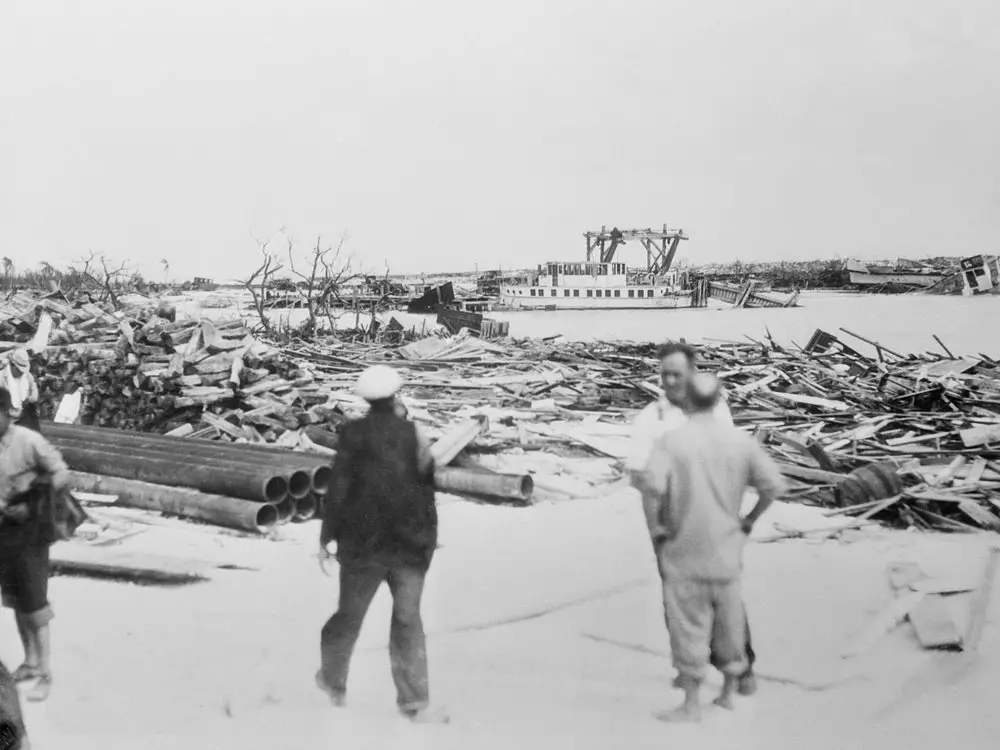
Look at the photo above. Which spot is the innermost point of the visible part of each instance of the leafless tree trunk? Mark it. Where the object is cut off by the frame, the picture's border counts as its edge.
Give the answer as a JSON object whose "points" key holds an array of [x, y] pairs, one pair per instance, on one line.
{"points": [[109, 281], [328, 271], [258, 282]]}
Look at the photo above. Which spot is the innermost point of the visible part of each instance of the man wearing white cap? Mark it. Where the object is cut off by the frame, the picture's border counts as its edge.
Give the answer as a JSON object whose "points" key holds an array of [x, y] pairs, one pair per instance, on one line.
{"points": [[380, 512], [21, 385]]}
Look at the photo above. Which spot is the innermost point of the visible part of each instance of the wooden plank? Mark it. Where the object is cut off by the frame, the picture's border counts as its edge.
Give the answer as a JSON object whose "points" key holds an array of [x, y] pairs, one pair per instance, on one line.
{"points": [[890, 616], [101, 562], [979, 514], [948, 472], [981, 601], [933, 623], [975, 473], [976, 436], [812, 475], [907, 440], [822, 403]]}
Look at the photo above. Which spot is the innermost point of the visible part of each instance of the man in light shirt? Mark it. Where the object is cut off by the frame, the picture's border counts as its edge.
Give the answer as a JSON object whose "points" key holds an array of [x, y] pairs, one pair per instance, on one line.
{"points": [[26, 458], [670, 412], [697, 475], [20, 383]]}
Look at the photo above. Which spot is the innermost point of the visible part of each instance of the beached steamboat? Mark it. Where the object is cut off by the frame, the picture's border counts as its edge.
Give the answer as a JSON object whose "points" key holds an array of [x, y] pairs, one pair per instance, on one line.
{"points": [[585, 286], [602, 282]]}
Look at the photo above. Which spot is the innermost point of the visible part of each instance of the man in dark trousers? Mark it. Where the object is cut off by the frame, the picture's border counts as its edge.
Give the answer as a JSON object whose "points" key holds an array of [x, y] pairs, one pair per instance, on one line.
{"points": [[30, 467], [381, 513]]}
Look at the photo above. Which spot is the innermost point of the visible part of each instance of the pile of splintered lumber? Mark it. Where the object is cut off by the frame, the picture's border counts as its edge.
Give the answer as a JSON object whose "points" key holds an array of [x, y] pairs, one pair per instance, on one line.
{"points": [[825, 411], [928, 424]]}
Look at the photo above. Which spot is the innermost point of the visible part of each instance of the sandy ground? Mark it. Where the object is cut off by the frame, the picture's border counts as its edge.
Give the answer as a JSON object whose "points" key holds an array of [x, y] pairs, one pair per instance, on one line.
{"points": [[544, 630]]}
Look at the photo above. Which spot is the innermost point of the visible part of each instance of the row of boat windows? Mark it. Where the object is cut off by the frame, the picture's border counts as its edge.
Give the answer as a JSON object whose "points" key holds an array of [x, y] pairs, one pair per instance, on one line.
{"points": [[587, 269], [591, 292]]}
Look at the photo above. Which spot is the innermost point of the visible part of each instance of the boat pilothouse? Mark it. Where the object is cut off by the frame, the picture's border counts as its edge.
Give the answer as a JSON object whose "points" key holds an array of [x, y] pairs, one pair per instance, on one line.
{"points": [[606, 283]]}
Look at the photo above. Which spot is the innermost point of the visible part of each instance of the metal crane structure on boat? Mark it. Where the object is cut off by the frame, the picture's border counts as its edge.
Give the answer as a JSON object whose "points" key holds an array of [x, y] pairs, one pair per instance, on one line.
{"points": [[660, 245]]}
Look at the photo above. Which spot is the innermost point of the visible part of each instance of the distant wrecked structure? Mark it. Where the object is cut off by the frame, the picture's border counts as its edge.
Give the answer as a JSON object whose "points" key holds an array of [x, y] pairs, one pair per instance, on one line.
{"points": [[901, 275]]}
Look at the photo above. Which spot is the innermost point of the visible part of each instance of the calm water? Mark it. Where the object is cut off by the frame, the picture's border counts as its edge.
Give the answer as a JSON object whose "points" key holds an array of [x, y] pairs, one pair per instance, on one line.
{"points": [[967, 325], [904, 323]]}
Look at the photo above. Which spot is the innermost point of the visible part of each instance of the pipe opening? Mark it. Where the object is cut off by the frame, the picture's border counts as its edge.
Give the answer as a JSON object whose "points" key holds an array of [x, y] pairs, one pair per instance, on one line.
{"points": [[299, 484], [321, 478], [285, 509], [305, 508], [275, 489], [527, 486], [267, 518]]}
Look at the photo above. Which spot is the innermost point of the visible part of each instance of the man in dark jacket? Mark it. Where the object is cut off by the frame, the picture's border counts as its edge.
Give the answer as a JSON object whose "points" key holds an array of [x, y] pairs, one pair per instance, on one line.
{"points": [[380, 512]]}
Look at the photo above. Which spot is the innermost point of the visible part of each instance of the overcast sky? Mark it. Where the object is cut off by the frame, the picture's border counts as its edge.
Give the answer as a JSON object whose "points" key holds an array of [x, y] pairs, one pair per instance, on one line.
{"points": [[441, 134]]}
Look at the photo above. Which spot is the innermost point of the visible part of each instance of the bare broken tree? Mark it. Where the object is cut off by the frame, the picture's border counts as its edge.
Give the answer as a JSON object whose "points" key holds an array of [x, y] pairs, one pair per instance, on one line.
{"points": [[321, 283], [99, 274], [258, 282]]}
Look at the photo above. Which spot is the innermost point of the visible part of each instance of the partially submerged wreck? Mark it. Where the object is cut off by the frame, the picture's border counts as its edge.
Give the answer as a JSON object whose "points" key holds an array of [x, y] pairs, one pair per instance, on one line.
{"points": [[904, 276], [751, 294], [977, 275]]}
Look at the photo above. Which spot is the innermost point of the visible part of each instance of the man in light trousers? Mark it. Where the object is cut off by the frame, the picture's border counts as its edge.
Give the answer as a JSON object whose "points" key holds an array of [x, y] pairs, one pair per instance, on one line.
{"points": [[677, 367], [696, 476]]}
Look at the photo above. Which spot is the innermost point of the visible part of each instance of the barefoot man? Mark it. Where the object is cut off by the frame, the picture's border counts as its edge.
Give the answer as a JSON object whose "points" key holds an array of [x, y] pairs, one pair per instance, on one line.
{"points": [[677, 367], [25, 458], [698, 473]]}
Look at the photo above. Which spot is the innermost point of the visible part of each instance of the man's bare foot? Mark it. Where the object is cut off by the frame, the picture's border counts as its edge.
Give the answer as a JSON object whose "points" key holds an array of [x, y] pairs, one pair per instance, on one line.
{"points": [[682, 714], [725, 701], [41, 689], [747, 684]]}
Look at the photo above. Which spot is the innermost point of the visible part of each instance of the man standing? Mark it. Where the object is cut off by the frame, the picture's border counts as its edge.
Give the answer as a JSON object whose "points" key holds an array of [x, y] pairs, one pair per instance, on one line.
{"points": [[381, 513], [23, 389], [677, 367], [29, 467], [699, 473]]}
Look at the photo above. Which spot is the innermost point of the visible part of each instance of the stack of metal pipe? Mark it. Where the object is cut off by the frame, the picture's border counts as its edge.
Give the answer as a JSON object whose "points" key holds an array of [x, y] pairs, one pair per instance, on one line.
{"points": [[252, 487], [243, 486]]}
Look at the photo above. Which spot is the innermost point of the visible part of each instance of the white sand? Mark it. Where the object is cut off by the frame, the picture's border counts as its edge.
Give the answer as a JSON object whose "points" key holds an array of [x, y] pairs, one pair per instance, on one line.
{"points": [[230, 662]]}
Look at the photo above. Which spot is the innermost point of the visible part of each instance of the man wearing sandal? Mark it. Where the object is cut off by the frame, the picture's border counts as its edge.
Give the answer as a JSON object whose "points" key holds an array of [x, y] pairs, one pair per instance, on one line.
{"points": [[25, 458]]}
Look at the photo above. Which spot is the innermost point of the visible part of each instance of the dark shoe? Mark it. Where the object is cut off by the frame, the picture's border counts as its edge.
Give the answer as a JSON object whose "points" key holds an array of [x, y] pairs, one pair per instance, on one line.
{"points": [[40, 690], [747, 684], [337, 697], [25, 672], [427, 715]]}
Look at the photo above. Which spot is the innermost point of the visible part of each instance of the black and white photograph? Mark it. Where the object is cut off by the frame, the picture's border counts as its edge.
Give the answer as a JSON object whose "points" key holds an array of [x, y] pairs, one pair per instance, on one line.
{"points": [[478, 375]]}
